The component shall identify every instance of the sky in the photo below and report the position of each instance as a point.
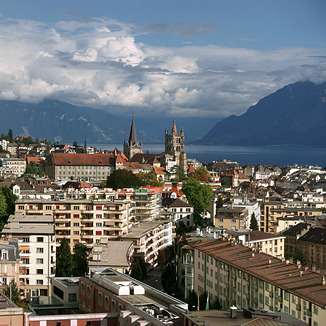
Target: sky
(178, 58)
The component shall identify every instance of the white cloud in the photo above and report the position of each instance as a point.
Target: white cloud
(100, 63)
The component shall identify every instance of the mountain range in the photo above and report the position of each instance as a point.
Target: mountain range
(293, 115)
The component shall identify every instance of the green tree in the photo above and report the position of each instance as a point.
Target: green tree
(179, 173)
(192, 300)
(149, 179)
(31, 168)
(3, 206)
(75, 144)
(169, 281)
(201, 174)
(79, 260)
(123, 179)
(253, 223)
(198, 195)
(299, 255)
(15, 293)
(216, 304)
(10, 135)
(136, 272)
(64, 259)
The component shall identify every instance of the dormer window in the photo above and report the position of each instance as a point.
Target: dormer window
(4, 254)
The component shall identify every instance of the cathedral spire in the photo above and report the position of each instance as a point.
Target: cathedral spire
(174, 128)
(132, 136)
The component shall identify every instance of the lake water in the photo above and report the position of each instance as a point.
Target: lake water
(243, 154)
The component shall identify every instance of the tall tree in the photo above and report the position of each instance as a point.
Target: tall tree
(137, 272)
(80, 260)
(123, 179)
(299, 255)
(199, 195)
(253, 223)
(179, 172)
(10, 135)
(15, 293)
(3, 206)
(149, 179)
(64, 259)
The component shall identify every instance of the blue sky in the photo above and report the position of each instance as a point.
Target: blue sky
(179, 58)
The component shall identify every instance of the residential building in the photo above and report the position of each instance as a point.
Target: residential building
(240, 276)
(108, 291)
(147, 203)
(66, 290)
(252, 207)
(228, 217)
(10, 314)
(87, 221)
(9, 262)
(35, 234)
(114, 254)
(149, 238)
(181, 212)
(14, 166)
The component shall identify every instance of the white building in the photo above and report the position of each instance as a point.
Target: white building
(35, 234)
(252, 207)
(15, 166)
(182, 212)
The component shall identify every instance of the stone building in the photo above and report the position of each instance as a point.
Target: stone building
(132, 146)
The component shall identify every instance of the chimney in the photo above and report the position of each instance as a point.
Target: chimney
(287, 262)
(301, 273)
(323, 282)
(306, 268)
(313, 268)
(252, 255)
(298, 264)
(233, 312)
(269, 261)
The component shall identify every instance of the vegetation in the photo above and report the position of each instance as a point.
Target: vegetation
(7, 205)
(179, 173)
(182, 228)
(79, 259)
(192, 300)
(32, 168)
(299, 255)
(199, 195)
(169, 281)
(201, 174)
(253, 223)
(15, 293)
(137, 272)
(127, 179)
(64, 260)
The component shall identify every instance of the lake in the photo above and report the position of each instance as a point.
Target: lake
(243, 154)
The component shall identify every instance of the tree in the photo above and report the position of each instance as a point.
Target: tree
(123, 179)
(192, 300)
(79, 260)
(179, 173)
(299, 255)
(201, 174)
(31, 168)
(75, 144)
(10, 135)
(198, 195)
(149, 179)
(64, 259)
(15, 293)
(136, 272)
(3, 206)
(253, 223)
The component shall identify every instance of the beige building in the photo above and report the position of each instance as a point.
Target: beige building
(9, 262)
(81, 221)
(37, 248)
(149, 238)
(15, 166)
(229, 217)
(239, 276)
(61, 166)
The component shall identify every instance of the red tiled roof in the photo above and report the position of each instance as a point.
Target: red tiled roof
(159, 170)
(35, 159)
(83, 159)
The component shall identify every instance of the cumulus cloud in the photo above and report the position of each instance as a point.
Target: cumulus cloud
(99, 63)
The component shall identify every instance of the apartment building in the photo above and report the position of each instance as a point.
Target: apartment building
(311, 240)
(240, 276)
(81, 221)
(228, 217)
(59, 166)
(9, 262)
(149, 238)
(14, 166)
(147, 203)
(135, 303)
(271, 212)
(35, 234)
(181, 212)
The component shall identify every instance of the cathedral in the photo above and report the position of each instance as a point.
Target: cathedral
(175, 146)
(132, 147)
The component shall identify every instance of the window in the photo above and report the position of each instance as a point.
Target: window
(98, 216)
(25, 239)
(99, 224)
(88, 291)
(58, 323)
(267, 301)
(294, 299)
(315, 310)
(83, 288)
(39, 271)
(220, 220)
(25, 260)
(286, 296)
(39, 282)
(106, 303)
(100, 299)
(39, 261)
(76, 224)
(39, 250)
(21, 208)
(267, 286)
(76, 208)
(75, 232)
(48, 208)
(72, 297)
(76, 215)
(39, 239)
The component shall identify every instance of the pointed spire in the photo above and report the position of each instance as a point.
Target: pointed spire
(132, 136)
(174, 128)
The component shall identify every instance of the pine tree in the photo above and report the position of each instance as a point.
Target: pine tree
(64, 259)
(15, 293)
(254, 223)
(80, 260)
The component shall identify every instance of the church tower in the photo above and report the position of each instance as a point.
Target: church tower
(132, 147)
(174, 145)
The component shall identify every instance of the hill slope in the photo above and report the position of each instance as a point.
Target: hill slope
(293, 115)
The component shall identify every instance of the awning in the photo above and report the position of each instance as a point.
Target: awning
(24, 247)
